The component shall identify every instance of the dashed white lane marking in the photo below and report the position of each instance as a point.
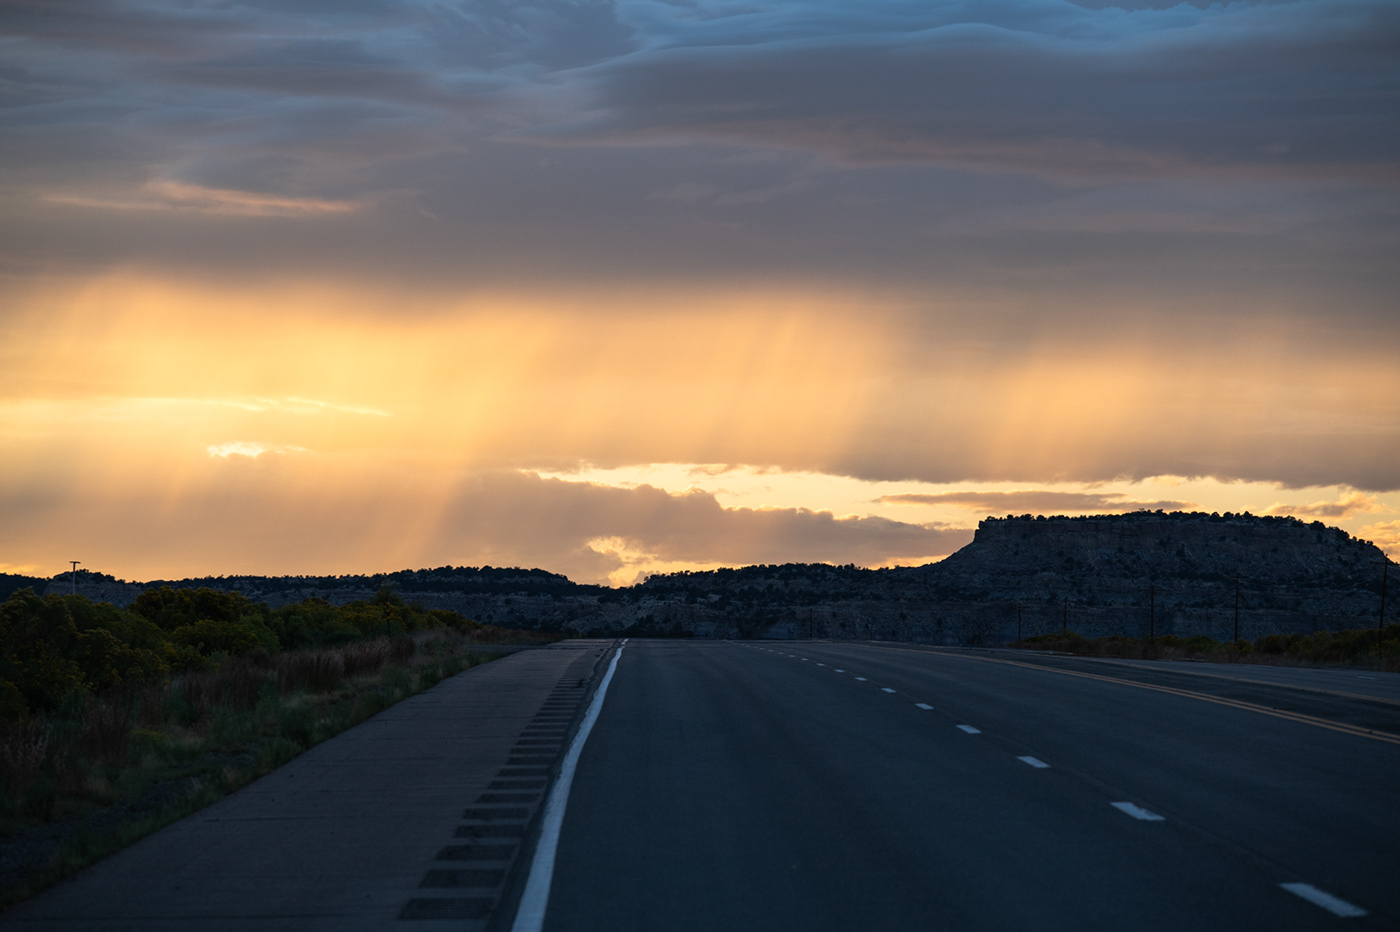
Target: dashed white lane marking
(975, 731)
(1137, 812)
(924, 705)
(529, 915)
(1035, 762)
(860, 679)
(1334, 905)
(839, 670)
(820, 664)
(886, 689)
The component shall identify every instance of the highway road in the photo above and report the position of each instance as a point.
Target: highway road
(811, 786)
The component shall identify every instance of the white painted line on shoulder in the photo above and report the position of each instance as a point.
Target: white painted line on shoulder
(1137, 812)
(974, 731)
(860, 679)
(1334, 905)
(1035, 762)
(924, 705)
(529, 915)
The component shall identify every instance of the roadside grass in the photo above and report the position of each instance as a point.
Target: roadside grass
(88, 781)
(1354, 648)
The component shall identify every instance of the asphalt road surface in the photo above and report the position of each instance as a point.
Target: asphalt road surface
(812, 786)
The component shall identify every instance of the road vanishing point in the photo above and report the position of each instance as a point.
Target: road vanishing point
(804, 785)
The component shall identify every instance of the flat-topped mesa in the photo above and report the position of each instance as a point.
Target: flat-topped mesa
(1159, 544)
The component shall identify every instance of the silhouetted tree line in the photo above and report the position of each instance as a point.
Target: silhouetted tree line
(488, 580)
(55, 650)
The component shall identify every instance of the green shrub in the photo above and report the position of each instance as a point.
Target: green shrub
(216, 637)
(170, 608)
(230, 730)
(277, 752)
(398, 679)
(298, 724)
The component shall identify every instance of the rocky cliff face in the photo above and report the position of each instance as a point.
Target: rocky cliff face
(1169, 573)
(1122, 574)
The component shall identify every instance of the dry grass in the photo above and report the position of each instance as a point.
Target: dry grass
(23, 748)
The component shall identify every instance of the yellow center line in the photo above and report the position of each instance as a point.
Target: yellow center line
(1218, 700)
(1242, 679)
(1118, 662)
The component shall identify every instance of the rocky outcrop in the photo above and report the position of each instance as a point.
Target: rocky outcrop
(1166, 573)
(99, 587)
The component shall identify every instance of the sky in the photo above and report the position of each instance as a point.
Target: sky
(615, 288)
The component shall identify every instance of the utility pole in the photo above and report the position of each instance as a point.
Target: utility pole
(1152, 610)
(1237, 606)
(74, 577)
(1064, 626)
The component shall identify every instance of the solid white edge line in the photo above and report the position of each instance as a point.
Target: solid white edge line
(1137, 812)
(529, 915)
(1334, 905)
(1035, 762)
(973, 731)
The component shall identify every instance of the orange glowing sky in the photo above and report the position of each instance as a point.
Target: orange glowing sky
(614, 289)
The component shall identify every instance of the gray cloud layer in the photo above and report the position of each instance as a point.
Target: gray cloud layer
(1036, 500)
(1041, 87)
(1255, 141)
(514, 517)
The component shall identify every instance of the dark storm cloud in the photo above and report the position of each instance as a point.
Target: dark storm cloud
(1244, 152)
(276, 98)
(1302, 89)
(1305, 89)
(314, 68)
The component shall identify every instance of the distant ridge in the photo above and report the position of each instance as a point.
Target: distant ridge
(13, 583)
(1171, 573)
